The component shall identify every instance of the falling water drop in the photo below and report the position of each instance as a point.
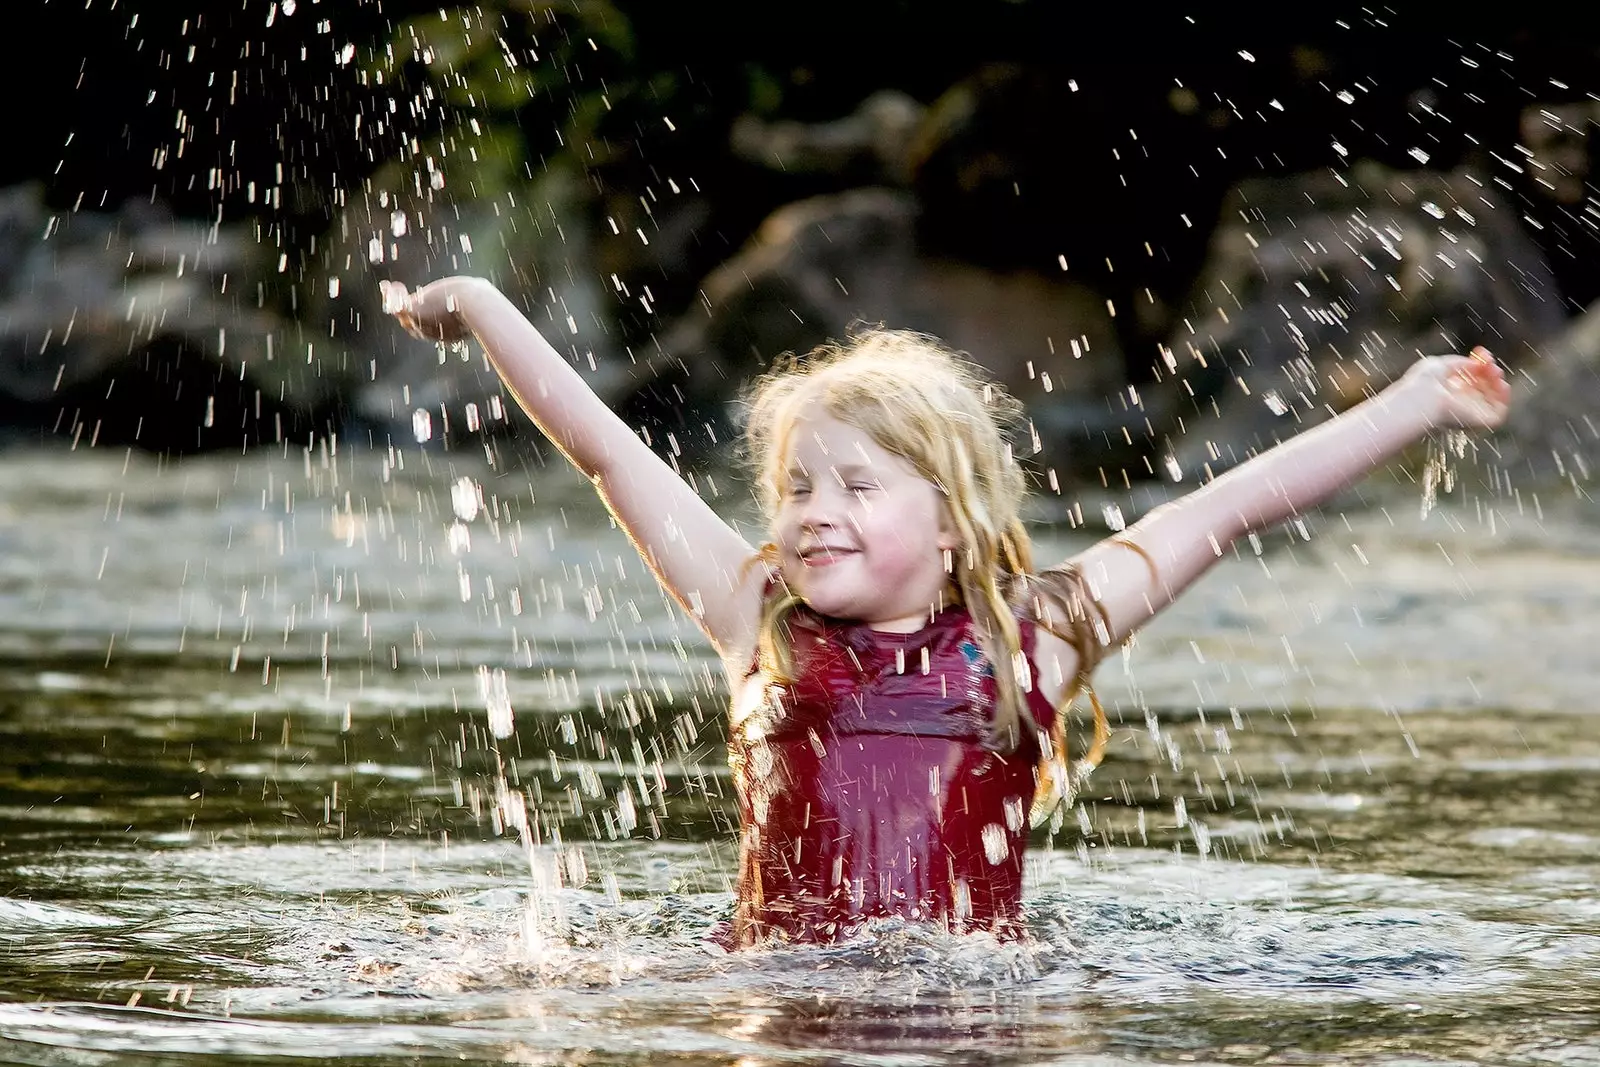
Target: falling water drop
(995, 844)
(496, 700)
(394, 295)
(422, 425)
(464, 498)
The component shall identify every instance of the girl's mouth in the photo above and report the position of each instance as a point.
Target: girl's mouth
(823, 555)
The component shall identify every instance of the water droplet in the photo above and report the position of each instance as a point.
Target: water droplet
(333, 290)
(464, 499)
(627, 818)
(422, 425)
(397, 223)
(288, 7)
(1274, 402)
(995, 846)
(1113, 517)
(394, 296)
(496, 700)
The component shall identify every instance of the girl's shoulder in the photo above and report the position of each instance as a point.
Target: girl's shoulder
(1065, 608)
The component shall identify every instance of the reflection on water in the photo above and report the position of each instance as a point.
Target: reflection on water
(251, 810)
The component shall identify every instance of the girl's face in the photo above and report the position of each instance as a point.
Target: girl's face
(861, 535)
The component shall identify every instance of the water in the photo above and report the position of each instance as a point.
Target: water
(248, 795)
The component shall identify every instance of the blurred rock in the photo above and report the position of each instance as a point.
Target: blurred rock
(869, 147)
(1021, 166)
(822, 266)
(1554, 428)
(1321, 288)
(132, 327)
(1559, 138)
(1552, 166)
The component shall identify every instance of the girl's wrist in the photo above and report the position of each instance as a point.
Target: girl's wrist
(1422, 395)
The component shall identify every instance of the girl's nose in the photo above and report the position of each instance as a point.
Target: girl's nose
(822, 507)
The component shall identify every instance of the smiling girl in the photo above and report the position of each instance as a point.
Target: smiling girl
(900, 670)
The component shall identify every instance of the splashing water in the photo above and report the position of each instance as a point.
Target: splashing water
(497, 701)
(466, 498)
(1438, 470)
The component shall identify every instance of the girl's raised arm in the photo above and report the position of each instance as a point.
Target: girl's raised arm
(1141, 571)
(695, 555)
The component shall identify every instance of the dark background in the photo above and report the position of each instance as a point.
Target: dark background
(78, 71)
(1100, 126)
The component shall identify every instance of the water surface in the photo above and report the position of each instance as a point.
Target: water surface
(252, 812)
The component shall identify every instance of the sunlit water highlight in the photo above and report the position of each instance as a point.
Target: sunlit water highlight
(248, 795)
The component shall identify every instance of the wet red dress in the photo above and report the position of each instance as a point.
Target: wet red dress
(865, 789)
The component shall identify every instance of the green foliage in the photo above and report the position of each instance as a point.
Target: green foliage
(513, 85)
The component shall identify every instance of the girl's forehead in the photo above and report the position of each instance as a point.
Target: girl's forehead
(819, 439)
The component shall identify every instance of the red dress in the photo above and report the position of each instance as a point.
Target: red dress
(865, 788)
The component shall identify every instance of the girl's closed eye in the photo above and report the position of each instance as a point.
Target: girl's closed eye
(863, 492)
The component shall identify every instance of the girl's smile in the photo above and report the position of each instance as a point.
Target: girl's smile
(823, 555)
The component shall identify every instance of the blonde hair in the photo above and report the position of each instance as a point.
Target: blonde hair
(941, 413)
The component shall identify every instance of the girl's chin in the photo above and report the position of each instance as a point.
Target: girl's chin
(837, 607)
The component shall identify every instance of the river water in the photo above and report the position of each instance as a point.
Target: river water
(252, 810)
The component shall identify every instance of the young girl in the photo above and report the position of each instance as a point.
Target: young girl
(899, 670)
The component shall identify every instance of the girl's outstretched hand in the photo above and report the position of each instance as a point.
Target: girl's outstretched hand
(1467, 392)
(432, 312)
